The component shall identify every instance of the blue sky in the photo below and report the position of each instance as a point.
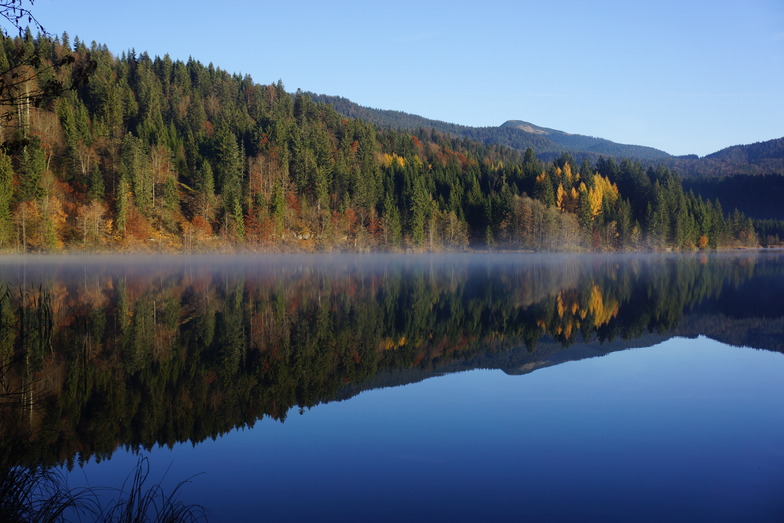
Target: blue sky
(683, 76)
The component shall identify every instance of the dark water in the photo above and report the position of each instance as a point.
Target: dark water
(460, 387)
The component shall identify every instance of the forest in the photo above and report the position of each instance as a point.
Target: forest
(134, 153)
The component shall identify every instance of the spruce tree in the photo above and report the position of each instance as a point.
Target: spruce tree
(6, 196)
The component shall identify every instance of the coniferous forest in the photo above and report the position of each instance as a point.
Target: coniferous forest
(149, 154)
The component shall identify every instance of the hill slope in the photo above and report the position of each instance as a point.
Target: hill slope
(754, 159)
(546, 143)
(587, 144)
(155, 154)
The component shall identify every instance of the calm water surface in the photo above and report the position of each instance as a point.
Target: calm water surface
(422, 388)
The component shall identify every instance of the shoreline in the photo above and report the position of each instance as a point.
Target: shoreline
(225, 256)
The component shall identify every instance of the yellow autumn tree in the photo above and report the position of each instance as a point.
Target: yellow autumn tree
(608, 189)
(566, 200)
(594, 198)
(601, 191)
(567, 174)
(560, 196)
(388, 159)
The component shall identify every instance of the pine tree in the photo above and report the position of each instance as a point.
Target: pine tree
(391, 222)
(121, 206)
(229, 170)
(420, 210)
(6, 196)
(96, 189)
(204, 184)
(135, 170)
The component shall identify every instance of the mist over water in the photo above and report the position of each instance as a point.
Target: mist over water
(342, 378)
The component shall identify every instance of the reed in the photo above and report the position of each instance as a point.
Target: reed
(140, 502)
(41, 494)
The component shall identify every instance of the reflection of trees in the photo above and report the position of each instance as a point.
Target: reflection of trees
(170, 355)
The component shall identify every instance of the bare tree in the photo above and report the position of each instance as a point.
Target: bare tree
(19, 15)
(26, 81)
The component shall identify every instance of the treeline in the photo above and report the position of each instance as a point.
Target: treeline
(770, 232)
(155, 154)
(759, 197)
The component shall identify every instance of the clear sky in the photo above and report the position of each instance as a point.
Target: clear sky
(685, 76)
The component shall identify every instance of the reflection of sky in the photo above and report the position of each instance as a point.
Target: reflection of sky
(688, 429)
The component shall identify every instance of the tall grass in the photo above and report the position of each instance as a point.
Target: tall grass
(139, 502)
(42, 495)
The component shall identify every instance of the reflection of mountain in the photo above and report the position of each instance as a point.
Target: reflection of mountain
(514, 361)
(750, 314)
(161, 353)
(740, 332)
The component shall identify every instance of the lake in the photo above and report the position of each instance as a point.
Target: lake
(456, 387)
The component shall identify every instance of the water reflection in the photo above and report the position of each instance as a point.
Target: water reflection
(104, 353)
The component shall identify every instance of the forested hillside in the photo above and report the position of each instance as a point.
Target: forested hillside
(759, 197)
(754, 159)
(155, 154)
(546, 143)
(763, 158)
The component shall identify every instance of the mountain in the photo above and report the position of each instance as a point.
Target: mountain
(759, 197)
(578, 143)
(546, 143)
(749, 178)
(754, 159)
(756, 153)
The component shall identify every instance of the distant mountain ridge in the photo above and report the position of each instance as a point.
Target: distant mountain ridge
(588, 144)
(756, 152)
(753, 159)
(516, 134)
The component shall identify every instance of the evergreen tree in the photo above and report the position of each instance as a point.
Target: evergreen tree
(135, 170)
(96, 190)
(32, 165)
(6, 197)
(204, 184)
(121, 205)
(584, 215)
(420, 211)
(391, 223)
(229, 170)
